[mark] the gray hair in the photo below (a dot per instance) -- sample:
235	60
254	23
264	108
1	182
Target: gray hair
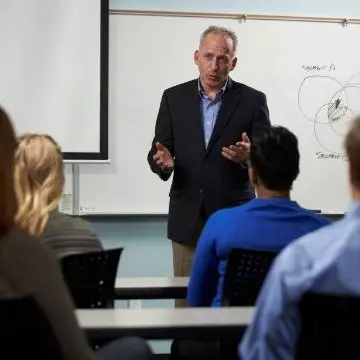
213	29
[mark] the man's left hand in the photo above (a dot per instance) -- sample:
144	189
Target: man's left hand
239	152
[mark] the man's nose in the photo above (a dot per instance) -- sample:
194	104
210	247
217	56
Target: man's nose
214	64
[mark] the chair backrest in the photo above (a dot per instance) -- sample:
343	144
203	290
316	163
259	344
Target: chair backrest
245	273
90	277
330	327
25	331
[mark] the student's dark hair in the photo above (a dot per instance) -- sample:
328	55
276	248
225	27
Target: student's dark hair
275	156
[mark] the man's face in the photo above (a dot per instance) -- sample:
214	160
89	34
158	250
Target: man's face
215	60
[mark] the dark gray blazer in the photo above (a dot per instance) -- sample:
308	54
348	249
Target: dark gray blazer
202	176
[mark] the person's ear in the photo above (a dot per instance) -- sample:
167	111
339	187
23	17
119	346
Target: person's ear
233	63
196	56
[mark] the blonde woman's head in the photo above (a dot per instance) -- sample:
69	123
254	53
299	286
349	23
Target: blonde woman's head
39	180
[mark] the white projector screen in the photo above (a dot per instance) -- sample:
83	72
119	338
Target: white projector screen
54	72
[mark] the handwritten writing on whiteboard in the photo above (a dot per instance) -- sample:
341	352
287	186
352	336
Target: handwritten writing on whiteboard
318	67
326	156
329	104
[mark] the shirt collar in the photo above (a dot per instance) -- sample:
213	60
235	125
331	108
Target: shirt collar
201	92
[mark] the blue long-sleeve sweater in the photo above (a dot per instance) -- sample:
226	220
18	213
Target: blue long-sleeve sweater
261	224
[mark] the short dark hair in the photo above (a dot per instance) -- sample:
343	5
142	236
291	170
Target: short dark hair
275	156
352	147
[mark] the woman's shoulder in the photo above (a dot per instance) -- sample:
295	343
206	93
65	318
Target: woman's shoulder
25	260
18	236
23	247
58	220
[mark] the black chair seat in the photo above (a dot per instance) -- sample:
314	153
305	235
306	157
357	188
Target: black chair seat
330	327
245	274
25	331
90	278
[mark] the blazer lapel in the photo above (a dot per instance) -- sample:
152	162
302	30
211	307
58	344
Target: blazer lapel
193	105
230	100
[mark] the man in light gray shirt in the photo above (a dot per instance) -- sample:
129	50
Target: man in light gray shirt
325	261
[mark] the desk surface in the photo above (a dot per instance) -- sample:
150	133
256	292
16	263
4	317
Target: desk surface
151	288
165	323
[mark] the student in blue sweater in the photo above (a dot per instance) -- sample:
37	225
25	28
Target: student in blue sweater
269	222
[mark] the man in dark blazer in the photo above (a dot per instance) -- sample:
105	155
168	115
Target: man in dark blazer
202	135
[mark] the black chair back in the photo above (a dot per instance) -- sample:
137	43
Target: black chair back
90	277
330	327
245	273
25	331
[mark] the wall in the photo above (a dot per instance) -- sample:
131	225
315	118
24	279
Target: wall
147	251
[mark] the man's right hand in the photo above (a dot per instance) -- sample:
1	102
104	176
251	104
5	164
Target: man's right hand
163	157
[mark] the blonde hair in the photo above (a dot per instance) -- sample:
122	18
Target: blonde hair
39	180
8	203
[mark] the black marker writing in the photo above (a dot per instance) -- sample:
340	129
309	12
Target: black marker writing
335	156
318	67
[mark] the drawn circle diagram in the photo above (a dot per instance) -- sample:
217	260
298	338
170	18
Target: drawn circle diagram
330	106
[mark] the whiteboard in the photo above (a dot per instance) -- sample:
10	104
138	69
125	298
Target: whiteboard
51	70
309	72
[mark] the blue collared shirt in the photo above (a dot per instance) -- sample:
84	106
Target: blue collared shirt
325	261
210	110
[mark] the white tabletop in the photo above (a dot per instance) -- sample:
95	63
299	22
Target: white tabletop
165	323
151	282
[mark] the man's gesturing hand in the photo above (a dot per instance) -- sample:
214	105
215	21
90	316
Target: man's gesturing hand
238	152
163	157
